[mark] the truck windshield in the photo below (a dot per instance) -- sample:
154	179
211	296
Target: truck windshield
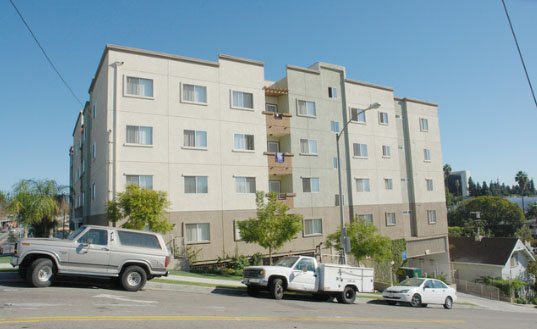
75	233
286	261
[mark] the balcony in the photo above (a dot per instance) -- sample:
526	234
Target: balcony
279	165
278	124
287	198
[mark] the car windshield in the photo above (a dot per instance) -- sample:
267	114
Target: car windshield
75	233
411	282
286	261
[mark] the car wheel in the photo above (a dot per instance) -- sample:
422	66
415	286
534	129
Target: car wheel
448	304
133	278
416	300
276	289
348	295
390	302
40	273
252	291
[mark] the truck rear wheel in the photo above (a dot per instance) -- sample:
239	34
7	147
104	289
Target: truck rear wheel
276	289
40	273
348	295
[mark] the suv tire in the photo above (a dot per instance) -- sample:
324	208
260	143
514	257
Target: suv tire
133	278
40	273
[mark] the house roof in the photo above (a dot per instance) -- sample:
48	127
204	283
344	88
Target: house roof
493	251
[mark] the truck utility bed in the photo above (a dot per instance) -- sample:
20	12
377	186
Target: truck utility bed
334	277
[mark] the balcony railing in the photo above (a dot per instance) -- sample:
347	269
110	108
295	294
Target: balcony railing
278	124
287	198
279	163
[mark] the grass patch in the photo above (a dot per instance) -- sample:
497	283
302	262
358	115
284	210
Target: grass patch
198	284
5	259
8	269
206	275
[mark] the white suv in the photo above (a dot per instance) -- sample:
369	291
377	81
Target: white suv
133	257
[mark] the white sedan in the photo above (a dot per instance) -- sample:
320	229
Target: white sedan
420	292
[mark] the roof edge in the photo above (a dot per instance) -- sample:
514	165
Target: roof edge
367	84
301	69
413	100
241	60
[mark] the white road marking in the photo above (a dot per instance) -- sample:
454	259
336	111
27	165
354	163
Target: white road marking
31	305
124	299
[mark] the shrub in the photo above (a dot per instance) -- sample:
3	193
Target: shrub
256	259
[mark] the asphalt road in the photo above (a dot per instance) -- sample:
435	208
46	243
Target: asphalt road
78	303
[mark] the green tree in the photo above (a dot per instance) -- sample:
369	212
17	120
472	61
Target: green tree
522	180
273	226
498	216
471	187
365	241
532	211
140	208
524	234
37	203
3	204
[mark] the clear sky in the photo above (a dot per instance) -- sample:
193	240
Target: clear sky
459	54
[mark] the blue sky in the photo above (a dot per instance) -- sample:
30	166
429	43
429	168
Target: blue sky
459	54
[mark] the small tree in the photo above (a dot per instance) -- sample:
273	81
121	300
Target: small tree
365	241
273	226
140	207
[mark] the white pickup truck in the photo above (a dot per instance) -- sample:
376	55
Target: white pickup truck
305	274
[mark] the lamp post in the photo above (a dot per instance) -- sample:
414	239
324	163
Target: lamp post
344	242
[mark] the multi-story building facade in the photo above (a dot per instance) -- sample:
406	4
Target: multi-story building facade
211	134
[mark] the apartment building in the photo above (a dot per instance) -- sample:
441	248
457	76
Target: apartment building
210	134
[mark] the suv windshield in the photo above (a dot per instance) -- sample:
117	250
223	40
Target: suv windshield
75	233
411	282
286	261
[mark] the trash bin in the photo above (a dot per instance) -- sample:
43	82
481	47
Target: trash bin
408	272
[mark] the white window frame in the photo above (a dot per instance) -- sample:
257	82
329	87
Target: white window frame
391	218
386	151
313	187
426	155
388	183
310	143
424	124
138	133
363	152
359	112
429	184
334	126
126	89
244	140
431	216
196	184
312	227
363	185
273	106
332	92
138	183
273	143
196	146
306	114
246	183
199	233
238	107
383	118
368	218
195	87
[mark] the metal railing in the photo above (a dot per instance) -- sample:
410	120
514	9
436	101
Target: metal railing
478	289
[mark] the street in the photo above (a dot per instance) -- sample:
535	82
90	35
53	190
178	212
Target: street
79	303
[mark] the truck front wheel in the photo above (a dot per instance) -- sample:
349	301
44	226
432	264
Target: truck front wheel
348	295
276	289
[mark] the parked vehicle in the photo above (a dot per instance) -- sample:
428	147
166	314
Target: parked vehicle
132	257
300	273
420	292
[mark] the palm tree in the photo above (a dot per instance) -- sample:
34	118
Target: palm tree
36	203
447	172
522	179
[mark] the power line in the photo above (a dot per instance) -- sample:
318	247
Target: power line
45	53
519	52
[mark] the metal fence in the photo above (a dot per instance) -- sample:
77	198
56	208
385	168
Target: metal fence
479	289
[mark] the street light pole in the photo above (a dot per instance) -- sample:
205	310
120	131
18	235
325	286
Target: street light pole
343	239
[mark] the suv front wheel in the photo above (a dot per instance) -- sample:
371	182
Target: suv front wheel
40	273
133	278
